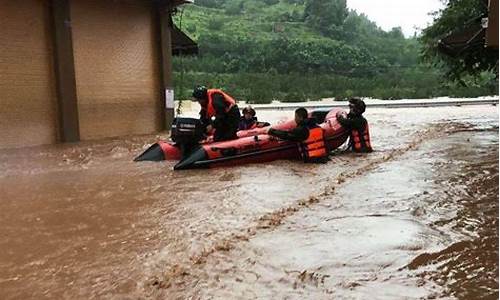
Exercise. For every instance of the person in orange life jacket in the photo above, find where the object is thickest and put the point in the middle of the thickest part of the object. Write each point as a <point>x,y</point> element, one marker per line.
<point>359,140</point>
<point>248,120</point>
<point>218,111</point>
<point>310,136</point>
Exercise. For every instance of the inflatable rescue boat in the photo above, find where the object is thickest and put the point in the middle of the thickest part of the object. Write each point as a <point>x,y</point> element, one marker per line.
<point>251,146</point>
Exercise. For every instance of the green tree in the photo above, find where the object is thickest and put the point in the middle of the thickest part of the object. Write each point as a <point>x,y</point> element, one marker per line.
<point>396,33</point>
<point>210,3</point>
<point>273,52</point>
<point>215,24</point>
<point>326,16</point>
<point>234,7</point>
<point>271,2</point>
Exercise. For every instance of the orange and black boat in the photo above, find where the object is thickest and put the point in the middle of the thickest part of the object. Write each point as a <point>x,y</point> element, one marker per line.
<point>252,146</point>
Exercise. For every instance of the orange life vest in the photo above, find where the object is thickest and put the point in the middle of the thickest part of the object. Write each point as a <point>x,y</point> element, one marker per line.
<point>314,147</point>
<point>361,140</point>
<point>210,110</point>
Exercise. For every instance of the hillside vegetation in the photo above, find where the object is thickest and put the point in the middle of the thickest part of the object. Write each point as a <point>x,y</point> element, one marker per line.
<point>297,50</point>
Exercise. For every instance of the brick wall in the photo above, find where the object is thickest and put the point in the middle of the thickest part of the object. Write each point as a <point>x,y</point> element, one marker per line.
<point>116,68</point>
<point>27,94</point>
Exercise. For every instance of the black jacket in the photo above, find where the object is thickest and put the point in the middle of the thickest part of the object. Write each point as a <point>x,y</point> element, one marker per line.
<point>358,123</point>
<point>297,134</point>
<point>225,123</point>
<point>352,121</point>
<point>220,107</point>
<point>247,124</point>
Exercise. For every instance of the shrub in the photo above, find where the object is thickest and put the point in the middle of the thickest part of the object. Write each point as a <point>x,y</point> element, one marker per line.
<point>215,24</point>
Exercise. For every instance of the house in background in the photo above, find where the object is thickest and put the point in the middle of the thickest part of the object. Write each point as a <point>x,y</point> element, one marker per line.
<point>478,33</point>
<point>75,70</point>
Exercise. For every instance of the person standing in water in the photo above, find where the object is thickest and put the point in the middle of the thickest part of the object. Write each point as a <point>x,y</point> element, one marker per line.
<point>359,140</point>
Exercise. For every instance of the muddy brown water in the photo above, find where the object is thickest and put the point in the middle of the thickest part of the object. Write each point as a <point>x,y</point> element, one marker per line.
<point>416,219</point>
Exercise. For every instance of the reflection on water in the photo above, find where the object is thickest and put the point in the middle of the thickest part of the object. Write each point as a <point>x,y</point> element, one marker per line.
<point>84,221</point>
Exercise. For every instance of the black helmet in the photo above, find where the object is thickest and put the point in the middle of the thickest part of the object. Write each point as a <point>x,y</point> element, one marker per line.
<point>358,104</point>
<point>200,92</point>
<point>249,110</point>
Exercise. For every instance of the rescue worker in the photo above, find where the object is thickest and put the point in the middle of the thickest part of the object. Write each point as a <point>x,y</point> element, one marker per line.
<point>218,112</point>
<point>359,140</point>
<point>309,136</point>
<point>248,120</point>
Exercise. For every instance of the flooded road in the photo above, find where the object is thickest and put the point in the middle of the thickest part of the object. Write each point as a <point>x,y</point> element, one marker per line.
<point>418,218</point>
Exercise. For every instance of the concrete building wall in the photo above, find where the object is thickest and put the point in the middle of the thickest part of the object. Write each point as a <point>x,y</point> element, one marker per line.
<point>116,66</point>
<point>28,105</point>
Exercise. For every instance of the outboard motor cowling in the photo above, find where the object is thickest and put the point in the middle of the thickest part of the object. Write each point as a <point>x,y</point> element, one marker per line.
<point>187,131</point>
<point>187,134</point>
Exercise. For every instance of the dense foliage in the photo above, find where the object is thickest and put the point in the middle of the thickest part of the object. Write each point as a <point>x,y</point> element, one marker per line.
<point>294,50</point>
<point>456,17</point>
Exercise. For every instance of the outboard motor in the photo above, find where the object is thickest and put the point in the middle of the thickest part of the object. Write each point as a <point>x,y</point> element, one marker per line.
<point>186,133</point>
<point>186,130</point>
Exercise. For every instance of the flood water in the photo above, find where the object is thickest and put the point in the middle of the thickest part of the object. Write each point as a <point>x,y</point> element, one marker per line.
<point>418,218</point>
